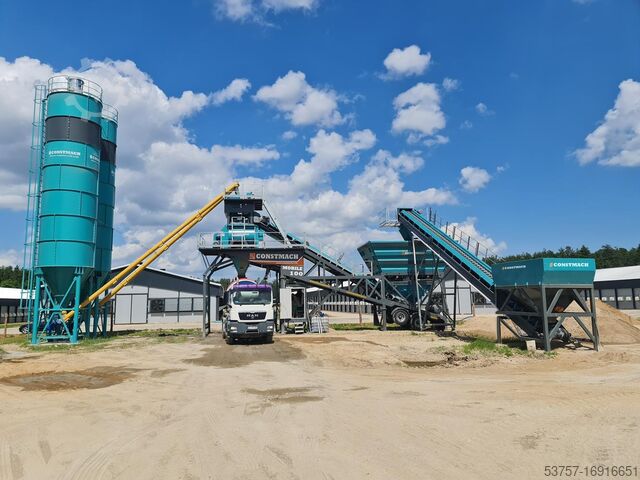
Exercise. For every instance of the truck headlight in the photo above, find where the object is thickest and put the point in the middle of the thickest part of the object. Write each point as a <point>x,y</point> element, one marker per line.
<point>234,329</point>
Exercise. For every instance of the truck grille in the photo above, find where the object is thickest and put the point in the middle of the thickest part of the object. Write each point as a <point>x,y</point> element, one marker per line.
<point>252,315</point>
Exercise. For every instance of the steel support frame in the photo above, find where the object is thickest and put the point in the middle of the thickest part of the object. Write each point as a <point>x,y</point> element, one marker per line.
<point>372,289</point>
<point>47,308</point>
<point>376,290</point>
<point>218,263</point>
<point>587,311</point>
<point>429,287</point>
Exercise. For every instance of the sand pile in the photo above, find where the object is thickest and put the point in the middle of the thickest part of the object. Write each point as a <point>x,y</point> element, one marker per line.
<point>615,327</point>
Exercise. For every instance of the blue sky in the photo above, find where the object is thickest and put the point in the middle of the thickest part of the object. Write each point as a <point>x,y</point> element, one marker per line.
<point>547,73</point>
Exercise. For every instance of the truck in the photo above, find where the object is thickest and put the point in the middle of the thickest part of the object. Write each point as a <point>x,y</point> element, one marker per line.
<point>247,311</point>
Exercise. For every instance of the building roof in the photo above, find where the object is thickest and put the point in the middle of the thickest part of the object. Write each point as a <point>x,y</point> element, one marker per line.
<point>618,273</point>
<point>10,293</point>
<point>164,272</point>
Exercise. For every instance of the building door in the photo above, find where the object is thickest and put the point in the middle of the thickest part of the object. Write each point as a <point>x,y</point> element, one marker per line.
<point>138,308</point>
<point>123,309</point>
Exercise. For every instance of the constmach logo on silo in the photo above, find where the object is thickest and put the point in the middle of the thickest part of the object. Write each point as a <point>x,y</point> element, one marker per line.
<point>568,264</point>
<point>66,153</point>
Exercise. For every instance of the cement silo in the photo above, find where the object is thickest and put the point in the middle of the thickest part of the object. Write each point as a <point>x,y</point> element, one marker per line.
<point>65,217</point>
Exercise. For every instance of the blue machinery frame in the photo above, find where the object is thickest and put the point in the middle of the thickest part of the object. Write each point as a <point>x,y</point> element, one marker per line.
<point>529,315</point>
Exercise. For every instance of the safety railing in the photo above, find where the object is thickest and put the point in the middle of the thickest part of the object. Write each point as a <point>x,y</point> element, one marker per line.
<point>110,113</point>
<point>240,241</point>
<point>453,230</point>
<point>67,83</point>
<point>230,240</point>
<point>249,189</point>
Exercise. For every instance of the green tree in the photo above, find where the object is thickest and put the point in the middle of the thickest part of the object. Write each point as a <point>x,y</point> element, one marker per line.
<point>606,256</point>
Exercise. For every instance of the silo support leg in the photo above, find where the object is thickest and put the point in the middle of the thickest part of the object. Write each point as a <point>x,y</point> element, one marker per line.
<point>76,310</point>
<point>96,318</point>
<point>545,321</point>
<point>594,323</point>
<point>105,313</point>
<point>35,320</point>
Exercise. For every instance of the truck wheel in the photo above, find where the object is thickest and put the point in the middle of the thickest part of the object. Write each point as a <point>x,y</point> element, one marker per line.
<point>268,338</point>
<point>400,316</point>
<point>415,324</point>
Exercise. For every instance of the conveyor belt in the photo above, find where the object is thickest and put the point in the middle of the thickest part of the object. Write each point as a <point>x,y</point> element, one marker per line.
<point>458,258</point>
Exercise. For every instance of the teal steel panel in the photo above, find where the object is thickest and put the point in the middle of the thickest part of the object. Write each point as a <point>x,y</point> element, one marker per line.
<point>74,105</point>
<point>109,130</point>
<point>545,271</point>
<point>395,257</point>
<point>575,271</point>
<point>69,198</point>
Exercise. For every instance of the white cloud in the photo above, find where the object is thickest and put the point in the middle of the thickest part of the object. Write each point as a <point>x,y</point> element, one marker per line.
<point>256,10</point>
<point>232,92</point>
<point>162,176</point>
<point>170,180</point>
<point>330,152</point>
<point>244,155</point>
<point>289,135</point>
<point>468,226</point>
<point>280,5</point>
<point>418,111</point>
<point>237,10</point>
<point>147,114</point>
<point>473,179</point>
<point>616,141</point>
<point>466,125</point>
<point>450,84</point>
<point>437,140</point>
<point>483,110</point>
<point>342,219</point>
<point>301,103</point>
<point>10,258</point>
<point>406,62</point>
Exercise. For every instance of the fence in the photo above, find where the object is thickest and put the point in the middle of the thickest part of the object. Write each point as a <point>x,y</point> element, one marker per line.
<point>340,303</point>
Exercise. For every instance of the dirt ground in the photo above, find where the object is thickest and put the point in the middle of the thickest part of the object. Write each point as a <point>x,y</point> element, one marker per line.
<point>343,405</point>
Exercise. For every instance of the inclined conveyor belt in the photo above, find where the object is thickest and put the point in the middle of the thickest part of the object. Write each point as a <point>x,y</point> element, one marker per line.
<point>313,253</point>
<point>458,258</point>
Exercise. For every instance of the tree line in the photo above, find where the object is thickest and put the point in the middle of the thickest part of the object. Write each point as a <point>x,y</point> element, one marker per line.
<point>606,256</point>
<point>10,277</point>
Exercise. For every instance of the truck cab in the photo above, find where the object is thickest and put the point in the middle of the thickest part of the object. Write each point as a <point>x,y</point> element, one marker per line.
<point>247,311</point>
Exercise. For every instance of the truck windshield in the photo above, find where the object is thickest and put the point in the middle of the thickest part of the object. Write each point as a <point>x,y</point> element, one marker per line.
<point>251,297</point>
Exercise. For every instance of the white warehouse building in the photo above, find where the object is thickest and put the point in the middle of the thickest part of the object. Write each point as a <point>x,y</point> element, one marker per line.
<point>158,296</point>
